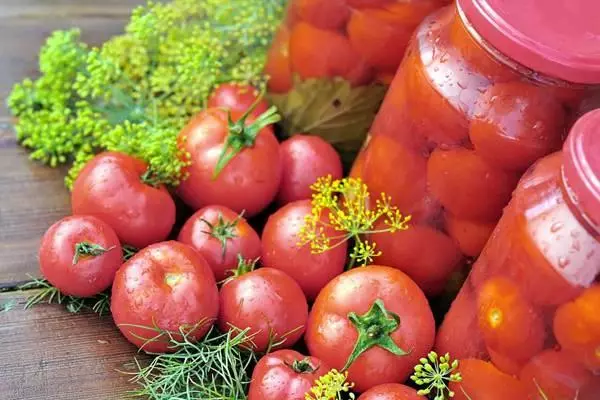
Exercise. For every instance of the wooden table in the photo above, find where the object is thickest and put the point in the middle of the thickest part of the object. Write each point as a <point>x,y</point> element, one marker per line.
<point>48,353</point>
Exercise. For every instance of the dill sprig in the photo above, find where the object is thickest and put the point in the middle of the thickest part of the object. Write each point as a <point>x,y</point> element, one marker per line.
<point>346,207</point>
<point>331,386</point>
<point>436,373</point>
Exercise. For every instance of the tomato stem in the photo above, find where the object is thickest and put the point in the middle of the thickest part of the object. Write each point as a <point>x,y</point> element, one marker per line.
<point>223,231</point>
<point>374,329</point>
<point>88,249</point>
<point>303,366</point>
<point>150,178</point>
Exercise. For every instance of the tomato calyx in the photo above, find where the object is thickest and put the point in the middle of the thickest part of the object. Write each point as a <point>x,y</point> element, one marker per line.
<point>242,135</point>
<point>150,178</point>
<point>374,329</point>
<point>222,231</point>
<point>244,266</point>
<point>88,249</point>
<point>303,366</point>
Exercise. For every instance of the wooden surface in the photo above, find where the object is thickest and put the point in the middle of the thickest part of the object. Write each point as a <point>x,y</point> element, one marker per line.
<point>48,353</point>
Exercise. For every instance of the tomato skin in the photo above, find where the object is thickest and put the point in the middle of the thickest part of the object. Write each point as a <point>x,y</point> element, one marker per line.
<point>482,381</point>
<point>267,301</point>
<point>471,236</point>
<point>306,158</point>
<point>91,274</point>
<point>196,233</point>
<point>391,391</point>
<point>167,285</point>
<point>367,3</point>
<point>110,188</point>
<point>237,98</point>
<point>330,336</point>
<point>274,378</point>
<point>330,14</point>
<point>278,66</point>
<point>280,250</point>
<point>249,182</point>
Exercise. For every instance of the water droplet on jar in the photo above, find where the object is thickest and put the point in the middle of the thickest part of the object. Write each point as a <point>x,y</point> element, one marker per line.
<point>555,227</point>
<point>576,245</point>
<point>563,262</point>
<point>575,234</point>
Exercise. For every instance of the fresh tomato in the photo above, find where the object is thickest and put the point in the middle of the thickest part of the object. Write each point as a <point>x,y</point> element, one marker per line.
<point>471,236</point>
<point>368,3</point>
<point>167,286</point>
<point>305,158</point>
<point>285,375</point>
<point>80,255</point>
<point>330,14</point>
<point>555,374</point>
<point>238,98</point>
<point>391,391</point>
<point>577,328</point>
<point>267,301</point>
<point>234,164</point>
<point>373,321</point>
<point>281,250</point>
<point>278,66</point>
<point>482,381</point>
<point>220,236</point>
<point>117,189</point>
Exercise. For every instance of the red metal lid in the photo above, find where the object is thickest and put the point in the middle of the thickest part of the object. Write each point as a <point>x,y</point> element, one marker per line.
<point>581,165</point>
<point>559,38</point>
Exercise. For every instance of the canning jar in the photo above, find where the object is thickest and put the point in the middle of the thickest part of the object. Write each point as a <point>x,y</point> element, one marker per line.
<point>531,303</point>
<point>331,61</point>
<point>487,87</point>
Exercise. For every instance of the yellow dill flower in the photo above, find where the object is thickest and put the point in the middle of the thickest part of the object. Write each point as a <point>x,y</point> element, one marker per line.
<point>330,387</point>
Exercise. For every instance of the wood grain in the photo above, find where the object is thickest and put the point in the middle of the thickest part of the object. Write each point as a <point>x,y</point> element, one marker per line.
<point>49,353</point>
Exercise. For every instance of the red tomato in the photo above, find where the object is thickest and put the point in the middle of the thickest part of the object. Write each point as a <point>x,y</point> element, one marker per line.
<point>515,124</point>
<point>425,254</point>
<point>169,286</point>
<point>220,235</point>
<point>111,187</point>
<point>467,186</point>
<point>577,328</point>
<point>508,365</point>
<point>317,53</point>
<point>306,158</point>
<point>268,302</point>
<point>368,3</point>
<point>280,250</point>
<point>364,305</point>
<point>471,236</point>
<point>80,255</point>
<point>391,391</point>
<point>330,14</point>
<point>278,66</point>
<point>236,166</point>
<point>238,98</point>
<point>285,375</point>
<point>556,374</point>
<point>482,381</point>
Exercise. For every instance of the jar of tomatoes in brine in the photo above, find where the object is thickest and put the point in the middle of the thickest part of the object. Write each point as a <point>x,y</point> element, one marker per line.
<point>530,307</point>
<point>487,87</point>
<point>331,61</point>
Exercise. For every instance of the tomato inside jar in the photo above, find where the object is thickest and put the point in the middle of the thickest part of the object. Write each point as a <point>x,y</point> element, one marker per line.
<point>531,300</point>
<point>482,93</point>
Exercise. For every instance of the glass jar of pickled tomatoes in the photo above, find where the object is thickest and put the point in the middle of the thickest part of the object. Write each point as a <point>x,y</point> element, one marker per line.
<point>531,304</point>
<point>487,87</point>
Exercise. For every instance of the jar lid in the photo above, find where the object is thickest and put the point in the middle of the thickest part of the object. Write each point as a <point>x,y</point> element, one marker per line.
<point>559,38</point>
<point>581,165</point>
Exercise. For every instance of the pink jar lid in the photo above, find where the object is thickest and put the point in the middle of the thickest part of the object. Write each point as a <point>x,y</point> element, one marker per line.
<point>559,38</point>
<point>581,165</point>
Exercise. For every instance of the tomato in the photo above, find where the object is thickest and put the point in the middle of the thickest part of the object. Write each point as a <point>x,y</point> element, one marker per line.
<point>577,328</point>
<point>238,98</point>
<point>505,363</point>
<point>236,165</point>
<point>169,286</point>
<point>79,255</point>
<point>281,250</point>
<point>425,254</point>
<point>460,177</point>
<point>220,235</point>
<point>391,391</point>
<point>368,3</point>
<point>374,319</point>
<point>285,375</point>
<point>482,381</point>
<point>556,374</point>
<point>112,187</point>
<point>306,158</point>
<point>510,325</point>
<point>330,14</point>
<point>278,66</point>
<point>470,235</point>
<point>317,53</point>
<point>515,124</point>
<point>267,301</point>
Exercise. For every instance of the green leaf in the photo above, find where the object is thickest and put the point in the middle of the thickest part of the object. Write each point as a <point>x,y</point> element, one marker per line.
<point>331,109</point>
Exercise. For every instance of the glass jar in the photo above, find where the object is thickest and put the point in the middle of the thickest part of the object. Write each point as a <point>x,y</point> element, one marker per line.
<point>531,303</point>
<point>478,98</point>
<point>331,61</point>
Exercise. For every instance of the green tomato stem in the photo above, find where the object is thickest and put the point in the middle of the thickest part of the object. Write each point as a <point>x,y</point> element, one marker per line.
<point>89,249</point>
<point>303,366</point>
